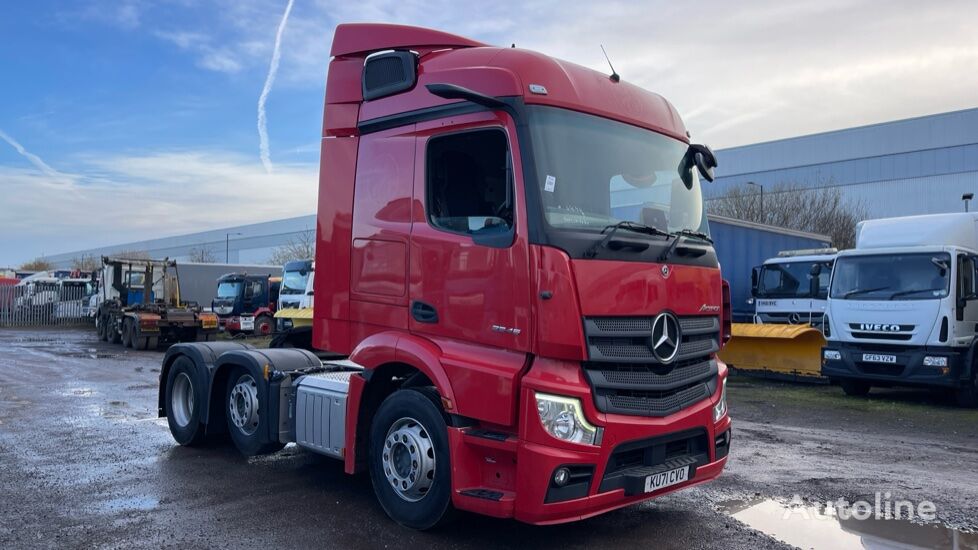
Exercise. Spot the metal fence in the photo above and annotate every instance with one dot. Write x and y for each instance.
(43, 304)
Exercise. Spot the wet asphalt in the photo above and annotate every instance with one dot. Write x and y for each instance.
(84, 462)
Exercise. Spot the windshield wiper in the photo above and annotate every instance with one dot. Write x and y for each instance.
(906, 292)
(678, 235)
(636, 227)
(863, 291)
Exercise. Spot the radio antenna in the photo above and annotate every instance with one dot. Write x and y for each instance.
(614, 75)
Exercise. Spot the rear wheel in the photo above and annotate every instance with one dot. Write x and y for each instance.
(409, 460)
(114, 335)
(247, 414)
(128, 333)
(100, 328)
(854, 388)
(182, 404)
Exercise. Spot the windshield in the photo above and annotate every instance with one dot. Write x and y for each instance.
(294, 282)
(229, 289)
(891, 277)
(792, 280)
(594, 172)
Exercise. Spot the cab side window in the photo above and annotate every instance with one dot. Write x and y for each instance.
(966, 276)
(468, 184)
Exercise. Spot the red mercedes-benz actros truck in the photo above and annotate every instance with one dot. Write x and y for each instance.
(514, 260)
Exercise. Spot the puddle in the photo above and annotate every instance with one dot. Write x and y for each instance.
(817, 527)
(131, 504)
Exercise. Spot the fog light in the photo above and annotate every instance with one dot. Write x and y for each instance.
(561, 477)
(935, 361)
(831, 355)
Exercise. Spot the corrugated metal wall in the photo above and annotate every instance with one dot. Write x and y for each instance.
(906, 167)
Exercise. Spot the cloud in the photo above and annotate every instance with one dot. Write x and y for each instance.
(51, 174)
(130, 197)
(209, 56)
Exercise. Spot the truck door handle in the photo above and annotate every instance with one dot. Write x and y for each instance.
(423, 312)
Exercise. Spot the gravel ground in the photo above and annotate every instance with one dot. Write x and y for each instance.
(84, 462)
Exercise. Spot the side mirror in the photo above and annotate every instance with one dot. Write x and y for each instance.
(704, 159)
(754, 276)
(816, 270)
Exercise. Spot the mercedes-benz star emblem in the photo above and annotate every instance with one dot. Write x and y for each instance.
(666, 336)
(794, 319)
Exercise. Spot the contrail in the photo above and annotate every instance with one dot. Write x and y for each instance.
(34, 159)
(266, 158)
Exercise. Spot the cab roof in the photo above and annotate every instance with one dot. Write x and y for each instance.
(490, 70)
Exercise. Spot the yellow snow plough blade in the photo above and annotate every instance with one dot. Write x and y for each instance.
(784, 350)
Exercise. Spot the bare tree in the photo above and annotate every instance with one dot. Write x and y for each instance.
(202, 255)
(814, 209)
(37, 264)
(300, 247)
(85, 262)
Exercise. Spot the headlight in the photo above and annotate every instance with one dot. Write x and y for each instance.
(935, 361)
(563, 418)
(720, 409)
(832, 355)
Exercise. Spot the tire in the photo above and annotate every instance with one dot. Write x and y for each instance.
(967, 395)
(183, 404)
(854, 388)
(100, 328)
(127, 333)
(409, 449)
(114, 335)
(263, 325)
(246, 409)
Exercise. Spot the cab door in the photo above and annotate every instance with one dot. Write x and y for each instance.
(469, 261)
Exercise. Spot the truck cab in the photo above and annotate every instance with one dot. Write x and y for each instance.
(514, 258)
(901, 306)
(792, 288)
(296, 291)
(246, 303)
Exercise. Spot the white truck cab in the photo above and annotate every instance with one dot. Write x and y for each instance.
(296, 289)
(902, 306)
(792, 287)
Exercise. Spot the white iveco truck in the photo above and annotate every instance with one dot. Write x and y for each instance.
(902, 307)
(792, 287)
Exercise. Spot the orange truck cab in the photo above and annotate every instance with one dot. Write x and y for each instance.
(514, 259)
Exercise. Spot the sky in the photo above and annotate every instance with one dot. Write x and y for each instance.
(123, 120)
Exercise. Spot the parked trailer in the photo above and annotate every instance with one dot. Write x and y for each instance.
(516, 349)
(742, 245)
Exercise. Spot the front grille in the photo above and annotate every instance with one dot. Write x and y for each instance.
(882, 336)
(626, 378)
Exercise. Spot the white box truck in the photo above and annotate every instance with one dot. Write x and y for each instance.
(902, 307)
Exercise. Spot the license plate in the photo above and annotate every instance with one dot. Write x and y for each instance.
(247, 323)
(666, 479)
(877, 358)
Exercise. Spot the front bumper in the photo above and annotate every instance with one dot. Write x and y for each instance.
(908, 370)
(517, 476)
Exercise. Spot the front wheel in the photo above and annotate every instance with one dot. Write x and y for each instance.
(263, 325)
(409, 459)
(854, 387)
(967, 395)
(247, 413)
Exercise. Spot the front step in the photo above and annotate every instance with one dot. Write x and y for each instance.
(485, 500)
(490, 439)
